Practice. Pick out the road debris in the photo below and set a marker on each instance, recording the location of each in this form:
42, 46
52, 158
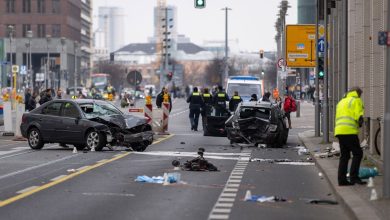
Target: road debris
196, 164
284, 161
254, 198
167, 179
321, 201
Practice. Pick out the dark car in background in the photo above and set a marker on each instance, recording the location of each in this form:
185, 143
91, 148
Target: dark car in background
258, 123
85, 123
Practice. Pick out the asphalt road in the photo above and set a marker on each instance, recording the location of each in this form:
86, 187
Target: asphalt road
54, 183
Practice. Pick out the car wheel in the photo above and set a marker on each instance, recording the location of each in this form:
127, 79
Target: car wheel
80, 146
279, 138
35, 139
95, 140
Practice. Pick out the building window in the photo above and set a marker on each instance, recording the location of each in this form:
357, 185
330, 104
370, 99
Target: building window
56, 6
56, 30
10, 6
41, 30
26, 6
41, 6
26, 27
7, 29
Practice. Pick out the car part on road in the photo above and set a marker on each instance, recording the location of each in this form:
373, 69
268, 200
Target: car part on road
196, 164
321, 201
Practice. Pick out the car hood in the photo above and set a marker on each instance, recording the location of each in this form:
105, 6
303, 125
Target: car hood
122, 121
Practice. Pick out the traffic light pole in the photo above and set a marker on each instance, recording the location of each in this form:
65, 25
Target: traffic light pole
325, 104
317, 83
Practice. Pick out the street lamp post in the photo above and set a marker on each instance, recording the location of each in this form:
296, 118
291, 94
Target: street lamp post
10, 33
29, 63
47, 67
76, 45
63, 42
226, 64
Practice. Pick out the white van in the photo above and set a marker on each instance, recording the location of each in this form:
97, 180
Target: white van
246, 86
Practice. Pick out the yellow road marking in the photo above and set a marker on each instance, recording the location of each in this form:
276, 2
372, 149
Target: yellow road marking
58, 181
163, 139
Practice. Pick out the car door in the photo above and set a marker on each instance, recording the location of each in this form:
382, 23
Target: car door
70, 128
49, 119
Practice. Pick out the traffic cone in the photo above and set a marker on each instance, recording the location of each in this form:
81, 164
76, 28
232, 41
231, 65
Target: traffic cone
374, 195
74, 150
165, 179
248, 196
370, 182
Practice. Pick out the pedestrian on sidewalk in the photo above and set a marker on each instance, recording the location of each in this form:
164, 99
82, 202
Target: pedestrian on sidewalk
196, 103
349, 117
160, 98
32, 102
288, 107
27, 97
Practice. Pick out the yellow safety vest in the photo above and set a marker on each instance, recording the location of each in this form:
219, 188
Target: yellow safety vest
206, 95
348, 112
195, 94
221, 95
74, 97
236, 97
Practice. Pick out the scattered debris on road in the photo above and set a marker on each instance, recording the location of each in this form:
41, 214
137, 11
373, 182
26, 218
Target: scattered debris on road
196, 164
321, 201
167, 179
254, 198
284, 161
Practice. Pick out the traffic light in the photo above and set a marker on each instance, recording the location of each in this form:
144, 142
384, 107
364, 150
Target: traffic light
261, 54
321, 71
200, 3
169, 76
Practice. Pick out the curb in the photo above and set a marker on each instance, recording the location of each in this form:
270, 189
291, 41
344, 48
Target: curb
355, 206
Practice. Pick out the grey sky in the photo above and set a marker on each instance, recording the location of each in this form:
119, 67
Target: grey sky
250, 21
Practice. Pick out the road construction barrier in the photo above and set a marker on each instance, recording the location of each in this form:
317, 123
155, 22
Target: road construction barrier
7, 115
157, 123
148, 113
20, 109
166, 107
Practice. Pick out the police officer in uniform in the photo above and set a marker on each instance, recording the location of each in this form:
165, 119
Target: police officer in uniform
208, 103
220, 99
196, 103
234, 101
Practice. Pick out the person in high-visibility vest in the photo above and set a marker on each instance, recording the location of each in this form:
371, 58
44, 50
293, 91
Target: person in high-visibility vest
234, 101
196, 103
349, 117
220, 99
208, 103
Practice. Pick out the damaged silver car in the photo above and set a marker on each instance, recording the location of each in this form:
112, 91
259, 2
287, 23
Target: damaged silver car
257, 123
85, 123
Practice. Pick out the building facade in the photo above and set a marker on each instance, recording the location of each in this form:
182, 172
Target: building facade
52, 31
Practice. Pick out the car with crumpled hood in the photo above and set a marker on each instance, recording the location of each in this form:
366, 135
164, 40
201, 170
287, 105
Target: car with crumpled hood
85, 123
257, 123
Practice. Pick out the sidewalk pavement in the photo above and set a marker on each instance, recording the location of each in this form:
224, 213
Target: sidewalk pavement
355, 199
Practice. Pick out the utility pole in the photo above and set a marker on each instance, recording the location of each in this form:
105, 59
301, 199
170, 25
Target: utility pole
226, 68
386, 143
325, 104
76, 45
344, 48
165, 69
317, 82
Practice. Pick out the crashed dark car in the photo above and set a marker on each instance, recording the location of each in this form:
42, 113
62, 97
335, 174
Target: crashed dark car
85, 123
214, 125
258, 123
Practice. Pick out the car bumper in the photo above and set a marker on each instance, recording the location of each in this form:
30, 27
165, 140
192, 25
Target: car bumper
23, 130
146, 136
236, 135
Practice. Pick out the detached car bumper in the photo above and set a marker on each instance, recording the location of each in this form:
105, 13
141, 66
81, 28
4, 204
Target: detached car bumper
139, 137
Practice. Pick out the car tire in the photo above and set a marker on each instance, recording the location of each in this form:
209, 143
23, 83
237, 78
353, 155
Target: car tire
34, 138
94, 139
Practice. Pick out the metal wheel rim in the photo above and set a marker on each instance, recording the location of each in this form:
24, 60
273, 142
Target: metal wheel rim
34, 138
93, 139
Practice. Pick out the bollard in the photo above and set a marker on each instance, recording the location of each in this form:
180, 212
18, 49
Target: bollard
298, 109
7, 115
165, 117
148, 109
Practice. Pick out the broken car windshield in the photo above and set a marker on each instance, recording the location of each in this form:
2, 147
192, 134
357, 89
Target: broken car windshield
93, 110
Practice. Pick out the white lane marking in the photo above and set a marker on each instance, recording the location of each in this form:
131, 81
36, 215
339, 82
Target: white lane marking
226, 205
58, 177
13, 155
228, 194
109, 194
222, 210
26, 189
219, 217
226, 200
36, 167
297, 163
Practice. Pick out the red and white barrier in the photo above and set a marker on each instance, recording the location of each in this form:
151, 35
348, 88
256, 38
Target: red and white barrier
165, 116
148, 113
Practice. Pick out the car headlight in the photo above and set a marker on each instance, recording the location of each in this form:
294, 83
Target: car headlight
273, 127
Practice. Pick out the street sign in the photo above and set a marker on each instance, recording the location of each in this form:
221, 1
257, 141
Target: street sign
281, 63
300, 46
134, 78
15, 68
321, 45
39, 77
23, 70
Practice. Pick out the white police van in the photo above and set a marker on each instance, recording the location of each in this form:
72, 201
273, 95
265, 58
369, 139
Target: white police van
245, 86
